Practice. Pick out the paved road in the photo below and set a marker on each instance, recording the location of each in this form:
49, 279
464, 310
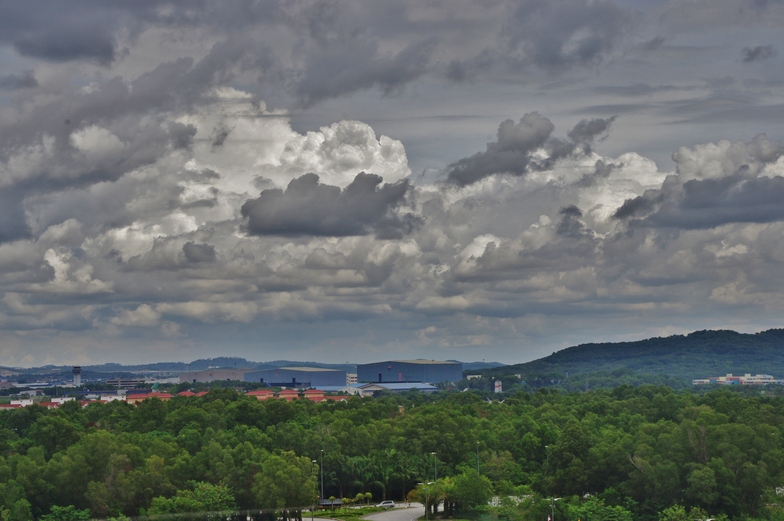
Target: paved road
416, 510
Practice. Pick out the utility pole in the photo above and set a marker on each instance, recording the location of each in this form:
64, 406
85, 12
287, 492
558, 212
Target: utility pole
477, 457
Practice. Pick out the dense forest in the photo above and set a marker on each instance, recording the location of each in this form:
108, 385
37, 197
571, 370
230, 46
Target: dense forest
644, 453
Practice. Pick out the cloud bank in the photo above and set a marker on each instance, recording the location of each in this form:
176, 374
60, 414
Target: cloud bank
469, 179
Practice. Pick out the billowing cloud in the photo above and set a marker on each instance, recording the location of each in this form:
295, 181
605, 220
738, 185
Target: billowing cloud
526, 146
307, 207
716, 185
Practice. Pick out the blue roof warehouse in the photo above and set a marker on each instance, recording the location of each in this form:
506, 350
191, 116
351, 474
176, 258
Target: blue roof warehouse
297, 377
430, 371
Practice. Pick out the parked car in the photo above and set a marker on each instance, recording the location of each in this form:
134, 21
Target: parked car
386, 504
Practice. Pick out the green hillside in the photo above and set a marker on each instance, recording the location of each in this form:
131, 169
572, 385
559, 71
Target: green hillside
678, 358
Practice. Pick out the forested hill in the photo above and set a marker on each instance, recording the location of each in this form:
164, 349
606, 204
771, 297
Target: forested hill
697, 355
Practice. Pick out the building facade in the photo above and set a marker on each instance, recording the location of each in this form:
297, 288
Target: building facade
297, 377
747, 379
212, 375
429, 371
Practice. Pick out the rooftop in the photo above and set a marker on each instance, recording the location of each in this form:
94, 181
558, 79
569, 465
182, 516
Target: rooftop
307, 369
423, 362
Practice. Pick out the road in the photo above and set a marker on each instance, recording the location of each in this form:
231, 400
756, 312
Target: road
416, 510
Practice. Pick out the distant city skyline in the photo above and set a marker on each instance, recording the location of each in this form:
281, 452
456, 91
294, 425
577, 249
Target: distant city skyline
331, 180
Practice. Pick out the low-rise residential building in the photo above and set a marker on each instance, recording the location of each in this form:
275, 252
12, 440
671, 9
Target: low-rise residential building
136, 398
261, 394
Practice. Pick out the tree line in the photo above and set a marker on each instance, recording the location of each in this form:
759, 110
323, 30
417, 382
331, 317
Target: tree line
644, 453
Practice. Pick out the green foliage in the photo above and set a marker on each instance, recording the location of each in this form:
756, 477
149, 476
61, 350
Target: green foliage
205, 497
68, 513
635, 450
286, 481
595, 509
471, 490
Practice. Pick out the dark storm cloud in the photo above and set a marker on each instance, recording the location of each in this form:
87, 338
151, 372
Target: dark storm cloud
340, 47
307, 207
181, 135
509, 154
761, 52
570, 224
586, 131
136, 114
71, 43
739, 197
81, 30
653, 44
87, 30
553, 35
23, 80
636, 206
198, 253
713, 202
219, 135
345, 67
639, 89
601, 171
513, 152
12, 215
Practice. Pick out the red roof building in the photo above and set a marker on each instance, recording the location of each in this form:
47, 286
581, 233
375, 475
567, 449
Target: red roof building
261, 394
288, 394
136, 398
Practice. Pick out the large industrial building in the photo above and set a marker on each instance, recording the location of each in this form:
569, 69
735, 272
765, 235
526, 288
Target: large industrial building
429, 371
212, 375
298, 377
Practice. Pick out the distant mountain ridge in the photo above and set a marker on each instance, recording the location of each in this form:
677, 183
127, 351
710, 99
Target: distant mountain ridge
222, 362
696, 355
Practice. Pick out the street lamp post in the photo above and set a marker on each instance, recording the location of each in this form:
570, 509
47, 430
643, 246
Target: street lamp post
552, 507
322, 474
477, 457
435, 467
427, 497
313, 507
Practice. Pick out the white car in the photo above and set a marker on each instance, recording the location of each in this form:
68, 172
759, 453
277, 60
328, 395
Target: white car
386, 504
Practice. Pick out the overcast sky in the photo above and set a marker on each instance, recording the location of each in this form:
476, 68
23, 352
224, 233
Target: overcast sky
355, 181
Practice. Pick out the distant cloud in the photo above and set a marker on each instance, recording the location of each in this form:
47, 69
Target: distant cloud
761, 52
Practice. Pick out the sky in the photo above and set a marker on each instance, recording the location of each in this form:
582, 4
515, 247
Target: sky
342, 181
